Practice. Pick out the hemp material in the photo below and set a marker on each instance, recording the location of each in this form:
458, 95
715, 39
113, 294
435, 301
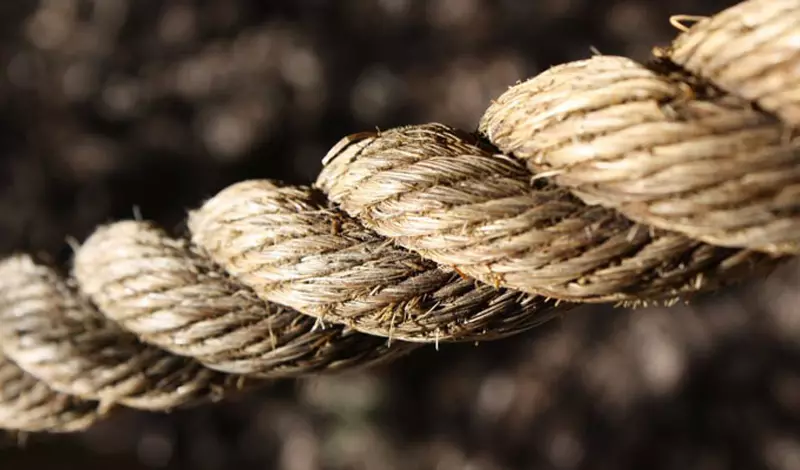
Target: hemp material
600, 180
433, 190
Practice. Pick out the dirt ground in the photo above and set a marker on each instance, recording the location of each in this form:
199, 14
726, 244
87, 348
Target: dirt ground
111, 105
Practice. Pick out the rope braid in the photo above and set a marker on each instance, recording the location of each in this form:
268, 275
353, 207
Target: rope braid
601, 180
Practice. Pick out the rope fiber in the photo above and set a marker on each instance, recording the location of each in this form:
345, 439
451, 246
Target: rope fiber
601, 180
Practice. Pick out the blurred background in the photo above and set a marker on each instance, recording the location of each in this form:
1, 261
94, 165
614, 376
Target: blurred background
111, 105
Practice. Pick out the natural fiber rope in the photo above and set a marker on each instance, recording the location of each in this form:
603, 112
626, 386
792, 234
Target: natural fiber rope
601, 180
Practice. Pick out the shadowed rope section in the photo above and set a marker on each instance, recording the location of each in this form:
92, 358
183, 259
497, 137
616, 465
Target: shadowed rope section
602, 180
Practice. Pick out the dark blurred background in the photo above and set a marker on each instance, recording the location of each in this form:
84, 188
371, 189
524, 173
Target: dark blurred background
111, 105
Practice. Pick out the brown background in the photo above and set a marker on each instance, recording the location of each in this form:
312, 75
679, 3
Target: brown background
107, 105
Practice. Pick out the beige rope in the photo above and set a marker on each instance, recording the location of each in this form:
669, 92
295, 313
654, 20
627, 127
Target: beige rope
600, 180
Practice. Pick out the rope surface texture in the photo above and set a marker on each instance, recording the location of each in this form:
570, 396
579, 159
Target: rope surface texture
602, 180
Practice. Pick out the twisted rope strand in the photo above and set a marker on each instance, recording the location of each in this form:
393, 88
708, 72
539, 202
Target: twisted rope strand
602, 180
53, 335
292, 250
432, 190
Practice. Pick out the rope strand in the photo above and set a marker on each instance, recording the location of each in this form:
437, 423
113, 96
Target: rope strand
600, 180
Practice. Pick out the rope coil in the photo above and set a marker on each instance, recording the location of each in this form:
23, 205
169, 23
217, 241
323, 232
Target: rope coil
601, 180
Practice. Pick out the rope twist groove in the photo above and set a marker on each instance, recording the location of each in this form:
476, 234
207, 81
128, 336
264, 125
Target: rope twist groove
600, 180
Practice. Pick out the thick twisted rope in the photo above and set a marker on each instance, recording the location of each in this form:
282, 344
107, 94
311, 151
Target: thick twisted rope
601, 180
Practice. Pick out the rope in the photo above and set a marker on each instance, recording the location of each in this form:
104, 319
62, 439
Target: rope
601, 180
